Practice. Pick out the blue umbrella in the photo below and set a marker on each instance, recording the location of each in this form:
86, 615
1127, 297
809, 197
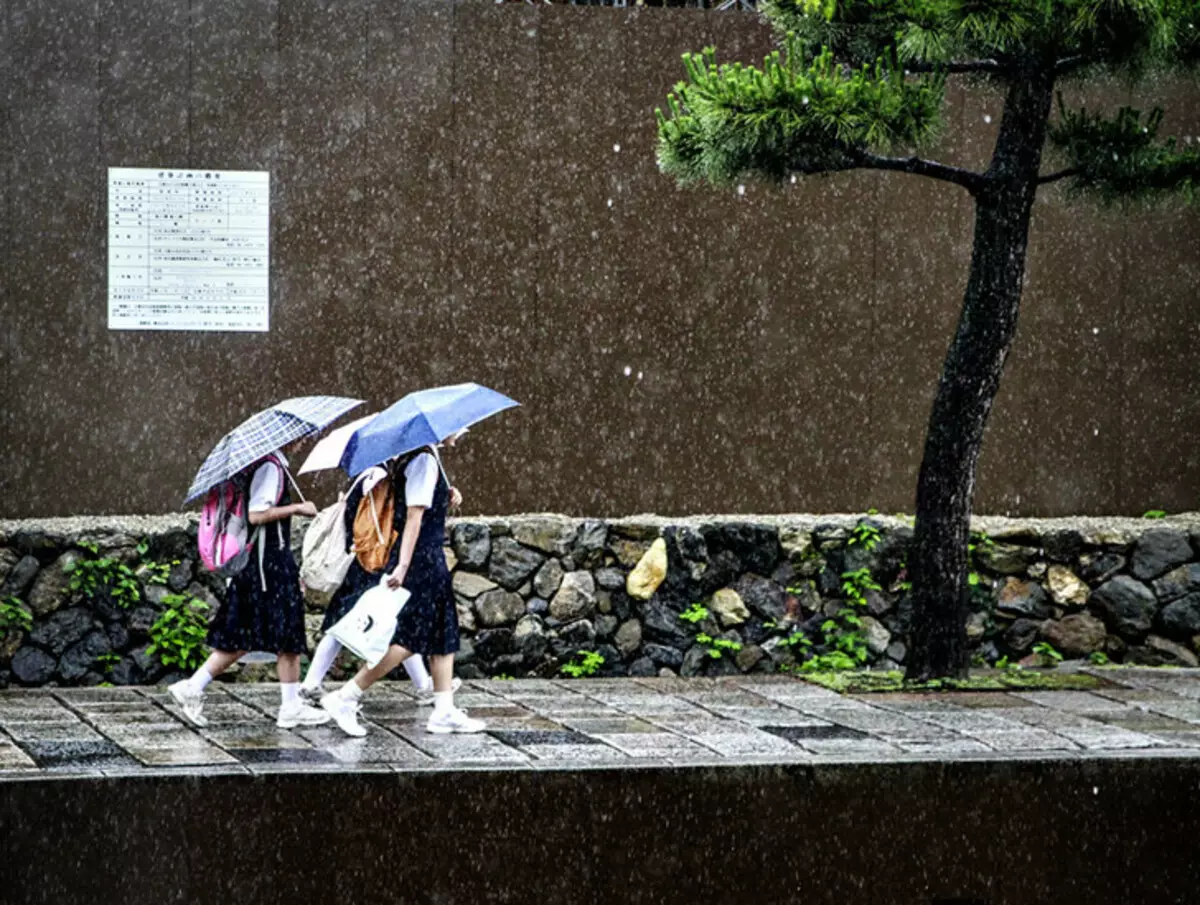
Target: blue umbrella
266, 432
420, 419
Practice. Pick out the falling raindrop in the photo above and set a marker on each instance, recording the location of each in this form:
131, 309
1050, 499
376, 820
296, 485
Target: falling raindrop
639, 375
610, 202
793, 180
617, 148
1095, 790
741, 190
595, 234
1115, 155
1095, 432
804, 100
628, 370
1095, 331
987, 117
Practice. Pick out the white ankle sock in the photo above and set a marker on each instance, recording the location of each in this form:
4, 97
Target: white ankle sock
289, 691
352, 691
443, 701
322, 660
415, 667
199, 680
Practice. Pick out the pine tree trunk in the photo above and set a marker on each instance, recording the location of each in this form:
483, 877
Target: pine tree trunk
970, 378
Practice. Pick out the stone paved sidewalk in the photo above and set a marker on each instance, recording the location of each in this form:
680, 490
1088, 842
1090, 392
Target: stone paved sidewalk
542, 724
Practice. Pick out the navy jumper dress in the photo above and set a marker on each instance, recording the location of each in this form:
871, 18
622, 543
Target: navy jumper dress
252, 619
428, 624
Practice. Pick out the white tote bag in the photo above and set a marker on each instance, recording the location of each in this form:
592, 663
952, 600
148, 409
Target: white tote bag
368, 628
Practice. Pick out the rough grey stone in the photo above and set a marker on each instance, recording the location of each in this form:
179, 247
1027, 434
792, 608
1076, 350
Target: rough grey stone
588, 549
1127, 605
471, 584
141, 618
180, 575
1076, 635
756, 547
20, 577
878, 638
765, 599
1005, 559
643, 667
610, 578
695, 661
897, 651
31, 666
538, 607
662, 624
576, 597
1178, 583
511, 564
62, 629
629, 637
472, 544
550, 533
580, 633
749, 657
1182, 617
662, 655
1021, 634
548, 579
118, 635
494, 642
1159, 550
606, 626
499, 607
530, 638
1024, 598
1097, 568
51, 587
1172, 652
80, 658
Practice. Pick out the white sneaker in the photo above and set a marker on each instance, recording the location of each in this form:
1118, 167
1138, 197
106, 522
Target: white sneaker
425, 695
453, 720
297, 713
344, 712
191, 702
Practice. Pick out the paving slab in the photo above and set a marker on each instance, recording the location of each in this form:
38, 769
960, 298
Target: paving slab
536, 724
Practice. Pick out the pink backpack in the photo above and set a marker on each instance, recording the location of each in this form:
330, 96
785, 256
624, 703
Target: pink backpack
226, 539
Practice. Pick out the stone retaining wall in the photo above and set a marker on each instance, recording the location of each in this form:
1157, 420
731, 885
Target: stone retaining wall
539, 592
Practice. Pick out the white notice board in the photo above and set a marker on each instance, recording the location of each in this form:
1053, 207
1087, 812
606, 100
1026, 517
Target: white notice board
188, 249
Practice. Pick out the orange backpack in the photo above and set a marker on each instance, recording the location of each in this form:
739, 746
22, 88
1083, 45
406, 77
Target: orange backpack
375, 527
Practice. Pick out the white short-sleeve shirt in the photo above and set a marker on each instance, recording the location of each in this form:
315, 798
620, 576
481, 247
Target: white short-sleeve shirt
420, 480
266, 486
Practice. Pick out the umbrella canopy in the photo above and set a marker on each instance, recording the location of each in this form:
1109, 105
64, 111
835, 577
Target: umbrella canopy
420, 419
266, 432
328, 451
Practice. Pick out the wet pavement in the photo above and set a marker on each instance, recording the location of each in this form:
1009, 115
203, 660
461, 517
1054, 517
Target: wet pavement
575, 724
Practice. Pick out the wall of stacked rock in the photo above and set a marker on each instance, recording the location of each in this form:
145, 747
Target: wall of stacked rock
124, 601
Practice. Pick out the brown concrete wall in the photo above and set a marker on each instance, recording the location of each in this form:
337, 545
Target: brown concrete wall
441, 173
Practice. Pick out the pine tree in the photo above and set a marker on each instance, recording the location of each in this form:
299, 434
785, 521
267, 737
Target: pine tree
860, 84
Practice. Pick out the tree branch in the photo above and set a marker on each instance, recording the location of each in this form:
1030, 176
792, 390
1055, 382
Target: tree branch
968, 179
1070, 64
954, 66
1054, 177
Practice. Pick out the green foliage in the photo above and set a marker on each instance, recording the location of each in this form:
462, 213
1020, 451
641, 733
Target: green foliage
855, 585
103, 574
1047, 654
697, 612
866, 534
588, 665
716, 645
1121, 157
1098, 658
108, 661
503, 677
14, 615
1154, 514
179, 635
798, 113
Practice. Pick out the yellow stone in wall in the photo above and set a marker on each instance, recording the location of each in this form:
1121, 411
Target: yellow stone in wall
649, 573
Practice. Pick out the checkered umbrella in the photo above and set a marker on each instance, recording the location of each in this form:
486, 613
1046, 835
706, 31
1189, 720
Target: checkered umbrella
266, 432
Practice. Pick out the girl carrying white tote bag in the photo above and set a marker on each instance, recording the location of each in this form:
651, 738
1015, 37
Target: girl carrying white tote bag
368, 628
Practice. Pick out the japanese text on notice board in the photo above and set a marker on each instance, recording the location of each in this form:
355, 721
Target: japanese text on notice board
188, 249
